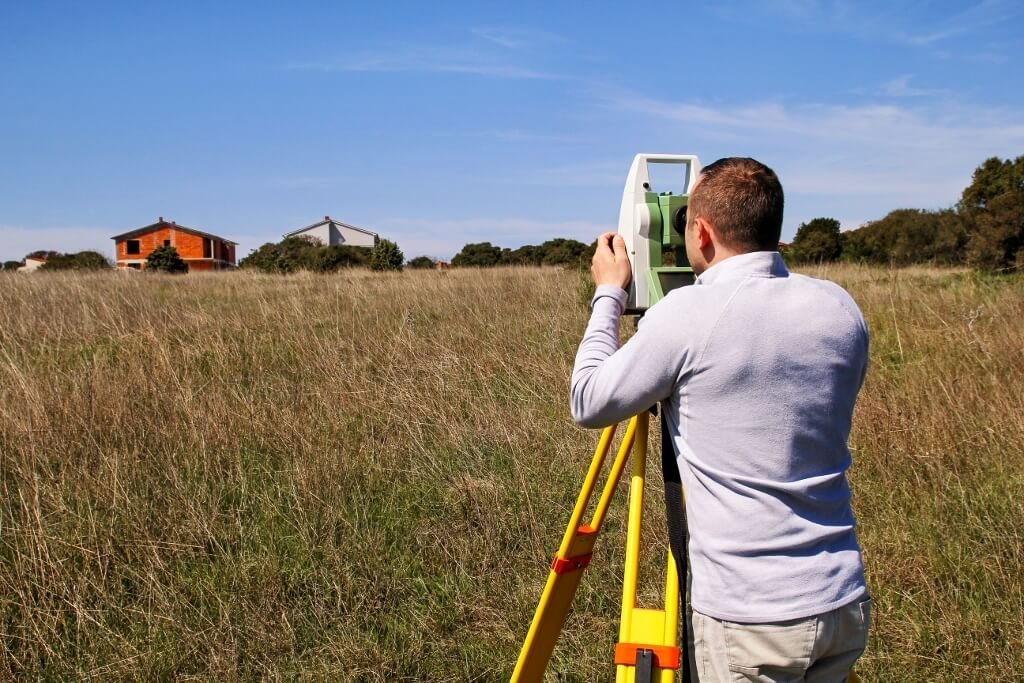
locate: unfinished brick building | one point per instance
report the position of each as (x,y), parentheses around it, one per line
(200,250)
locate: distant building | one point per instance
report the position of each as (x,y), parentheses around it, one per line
(32,263)
(441,265)
(330,232)
(200,250)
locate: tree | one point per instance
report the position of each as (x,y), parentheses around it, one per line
(166,260)
(526,255)
(336,256)
(817,241)
(12,265)
(386,256)
(993,178)
(562,252)
(304,253)
(82,260)
(46,254)
(992,207)
(479,254)
(997,242)
(907,236)
(421,262)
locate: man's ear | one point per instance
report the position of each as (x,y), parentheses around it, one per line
(703,233)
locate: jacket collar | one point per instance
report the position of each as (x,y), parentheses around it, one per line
(762,263)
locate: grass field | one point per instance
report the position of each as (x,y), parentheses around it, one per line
(363,476)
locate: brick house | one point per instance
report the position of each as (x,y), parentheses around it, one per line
(200,250)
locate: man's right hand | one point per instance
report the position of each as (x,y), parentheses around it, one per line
(610,265)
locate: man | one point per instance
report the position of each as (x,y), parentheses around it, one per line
(758,369)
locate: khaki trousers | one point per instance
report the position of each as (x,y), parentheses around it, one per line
(820,649)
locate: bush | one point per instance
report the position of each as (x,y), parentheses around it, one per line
(817,241)
(421,262)
(82,260)
(166,260)
(304,253)
(479,254)
(386,256)
(554,252)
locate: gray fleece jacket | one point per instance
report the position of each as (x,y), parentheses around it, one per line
(760,369)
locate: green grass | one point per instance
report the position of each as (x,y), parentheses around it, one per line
(363,476)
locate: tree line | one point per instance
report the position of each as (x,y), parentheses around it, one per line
(55,260)
(303,252)
(555,252)
(985,229)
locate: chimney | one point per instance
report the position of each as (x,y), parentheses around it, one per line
(173,223)
(327,218)
(160,220)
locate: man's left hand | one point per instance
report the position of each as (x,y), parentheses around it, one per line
(610,265)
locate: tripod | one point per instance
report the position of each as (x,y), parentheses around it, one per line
(648,649)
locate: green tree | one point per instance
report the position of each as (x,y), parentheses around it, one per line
(335,257)
(991,207)
(997,242)
(166,260)
(12,265)
(993,178)
(907,236)
(526,255)
(817,241)
(421,262)
(43,254)
(386,256)
(562,252)
(304,253)
(479,254)
(82,260)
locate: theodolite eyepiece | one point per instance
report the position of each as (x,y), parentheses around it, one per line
(652,224)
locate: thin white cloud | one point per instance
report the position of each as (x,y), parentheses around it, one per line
(972,19)
(878,126)
(515,38)
(310,181)
(517,135)
(426,59)
(918,27)
(852,159)
(901,87)
(598,174)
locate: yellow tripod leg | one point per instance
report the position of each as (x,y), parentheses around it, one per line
(572,558)
(648,647)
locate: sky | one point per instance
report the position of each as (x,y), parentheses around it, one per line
(437,124)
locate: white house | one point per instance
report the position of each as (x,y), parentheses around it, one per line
(330,232)
(32,263)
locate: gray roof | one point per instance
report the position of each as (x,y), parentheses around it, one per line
(328,219)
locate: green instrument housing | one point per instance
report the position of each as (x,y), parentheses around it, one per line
(668,221)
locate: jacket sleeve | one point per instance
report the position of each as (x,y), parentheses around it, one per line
(611,384)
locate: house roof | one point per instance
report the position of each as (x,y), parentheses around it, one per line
(160,223)
(328,219)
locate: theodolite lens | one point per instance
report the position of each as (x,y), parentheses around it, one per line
(679,220)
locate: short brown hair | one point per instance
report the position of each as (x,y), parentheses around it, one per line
(742,198)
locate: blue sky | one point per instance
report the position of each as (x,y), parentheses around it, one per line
(437,124)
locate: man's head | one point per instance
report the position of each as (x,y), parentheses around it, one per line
(734,208)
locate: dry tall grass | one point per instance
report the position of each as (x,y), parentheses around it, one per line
(363,476)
